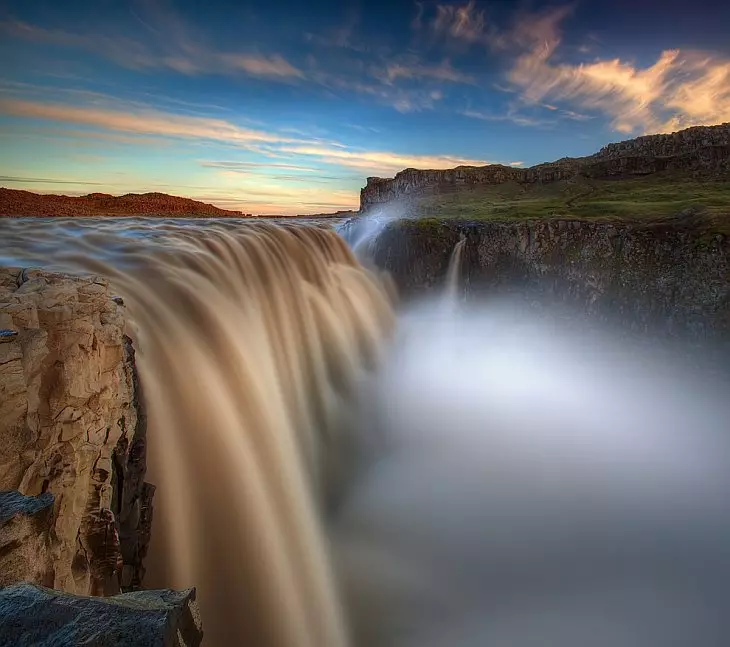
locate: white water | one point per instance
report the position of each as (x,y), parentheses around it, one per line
(499,480)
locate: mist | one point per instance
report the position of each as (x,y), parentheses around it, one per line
(537,486)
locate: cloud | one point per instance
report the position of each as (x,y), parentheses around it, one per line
(461,22)
(380,161)
(273,66)
(442,72)
(145,122)
(402,99)
(517,119)
(173,49)
(256,166)
(298,152)
(681,89)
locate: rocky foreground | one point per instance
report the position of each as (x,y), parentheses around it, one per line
(75,510)
(17,204)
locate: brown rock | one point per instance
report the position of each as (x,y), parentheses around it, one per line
(69,424)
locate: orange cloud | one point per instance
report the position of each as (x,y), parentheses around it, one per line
(381,161)
(147,122)
(681,89)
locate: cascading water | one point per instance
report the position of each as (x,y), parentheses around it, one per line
(453,273)
(469,476)
(251,346)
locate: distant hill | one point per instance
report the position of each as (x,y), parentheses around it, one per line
(16,203)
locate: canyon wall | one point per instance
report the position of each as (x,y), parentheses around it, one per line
(667,279)
(72,430)
(702,150)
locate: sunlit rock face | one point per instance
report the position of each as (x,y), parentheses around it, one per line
(699,150)
(71,427)
(672,279)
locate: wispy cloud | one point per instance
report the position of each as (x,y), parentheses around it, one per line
(256,166)
(383,162)
(681,89)
(301,152)
(515,118)
(147,122)
(175,49)
(462,22)
(442,72)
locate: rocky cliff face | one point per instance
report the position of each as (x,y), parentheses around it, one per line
(668,279)
(72,426)
(700,150)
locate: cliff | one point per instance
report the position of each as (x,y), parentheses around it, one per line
(72,428)
(670,279)
(15,203)
(702,151)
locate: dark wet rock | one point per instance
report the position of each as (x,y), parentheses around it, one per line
(33,616)
(669,279)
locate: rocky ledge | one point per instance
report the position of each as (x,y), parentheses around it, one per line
(34,616)
(698,151)
(72,428)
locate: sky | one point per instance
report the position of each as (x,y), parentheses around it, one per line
(286,106)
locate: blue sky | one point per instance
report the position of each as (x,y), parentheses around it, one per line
(286,106)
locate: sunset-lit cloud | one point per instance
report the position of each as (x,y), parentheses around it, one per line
(165,124)
(382,161)
(150,122)
(680,89)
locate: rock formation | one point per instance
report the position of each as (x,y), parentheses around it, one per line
(15,203)
(670,279)
(25,538)
(33,616)
(702,150)
(72,426)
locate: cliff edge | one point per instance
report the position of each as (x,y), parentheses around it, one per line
(698,152)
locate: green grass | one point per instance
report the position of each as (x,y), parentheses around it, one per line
(655,197)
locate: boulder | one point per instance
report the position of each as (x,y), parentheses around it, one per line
(34,616)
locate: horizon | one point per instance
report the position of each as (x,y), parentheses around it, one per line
(287,109)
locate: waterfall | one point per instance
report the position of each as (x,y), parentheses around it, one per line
(332,472)
(250,346)
(453,273)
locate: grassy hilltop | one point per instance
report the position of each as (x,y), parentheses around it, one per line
(651,198)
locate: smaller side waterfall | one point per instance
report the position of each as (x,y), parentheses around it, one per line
(453,273)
